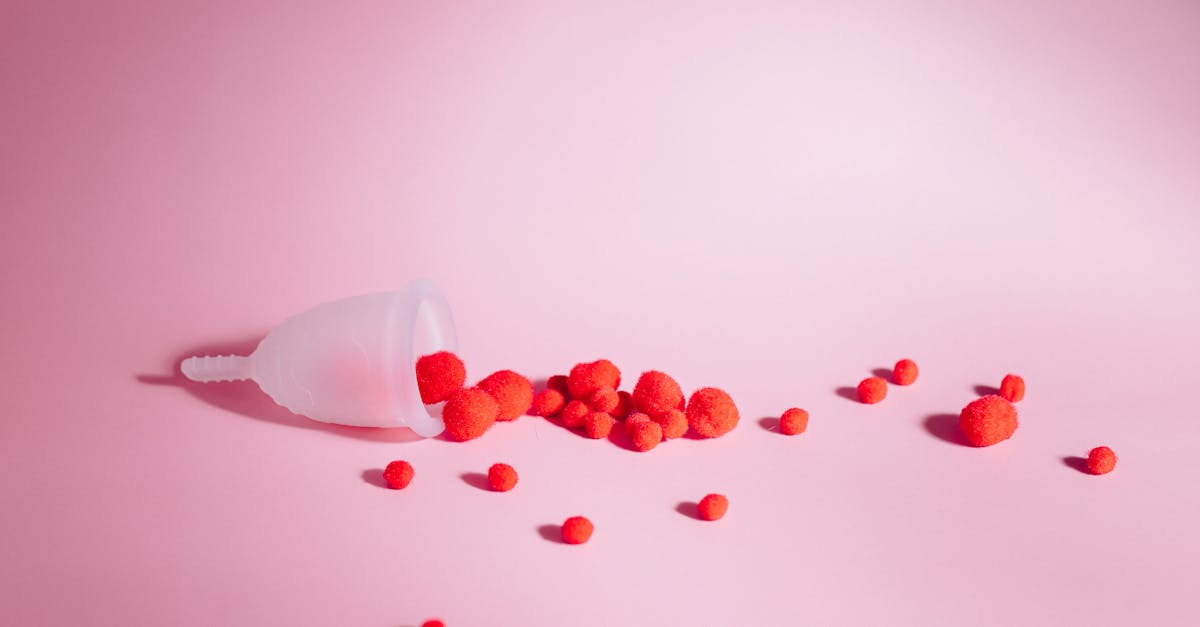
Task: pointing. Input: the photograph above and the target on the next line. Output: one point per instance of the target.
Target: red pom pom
(502, 477)
(439, 375)
(433, 623)
(587, 378)
(512, 392)
(577, 530)
(468, 413)
(645, 435)
(673, 422)
(634, 420)
(793, 421)
(1101, 460)
(713, 506)
(559, 382)
(604, 399)
(398, 474)
(1012, 388)
(872, 390)
(988, 420)
(711, 412)
(597, 425)
(905, 372)
(656, 392)
(624, 406)
(548, 403)
(572, 415)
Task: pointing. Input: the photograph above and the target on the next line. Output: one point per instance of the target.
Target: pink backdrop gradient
(771, 197)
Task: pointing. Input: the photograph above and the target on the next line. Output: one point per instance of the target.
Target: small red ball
(439, 375)
(398, 474)
(577, 530)
(604, 399)
(468, 413)
(587, 378)
(502, 477)
(673, 422)
(988, 420)
(656, 392)
(634, 420)
(1101, 460)
(597, 425)
(646, 435)
(793, 421)
(872, 390)
(433, 623)
(548, 403)
(572, 415)
(1012, 388)
(711, 412)
(904, 372)
(559, 382)
(512, 392)
(624, 406)
(713, 506)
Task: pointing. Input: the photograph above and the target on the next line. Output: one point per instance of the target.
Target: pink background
(775, 198)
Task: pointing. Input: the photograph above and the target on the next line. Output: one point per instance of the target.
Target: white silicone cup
(349, 362)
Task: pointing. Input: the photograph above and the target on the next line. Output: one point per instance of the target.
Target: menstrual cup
(349, 362)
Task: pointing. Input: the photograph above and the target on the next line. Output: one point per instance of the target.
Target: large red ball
(988, 420)
(656, 392)
(711, 412)
(469, 413)
(512, 392)
(589, 377)
(439, 375)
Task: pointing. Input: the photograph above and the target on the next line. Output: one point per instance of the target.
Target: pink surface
(776, 199)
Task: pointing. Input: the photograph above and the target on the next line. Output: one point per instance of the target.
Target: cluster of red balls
(588, 399)
(470, 412)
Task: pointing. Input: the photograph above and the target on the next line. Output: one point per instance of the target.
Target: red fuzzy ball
(512, 392)
(1101, 460)
(604, 399)
(634, 420)
(597, 425)
(713, 506)
(1012, 388)
(559, 382)
(673, 422)
(988, 420)
(573, 414)
(548, 403)
(872, 390)
(439, 375)
(793, 421)
(904, 372)
(577, 530)
(433, 623)
(398, 474)
(587, 378)
(711, 412)
(468, 413)
(645, 435)
(656, 392)
(502, 477)
(624, 406)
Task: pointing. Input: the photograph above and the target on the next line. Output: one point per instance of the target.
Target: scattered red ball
(572, 415)
(673, 422)
(634, 420)
(468, 413)
(439, 375)
(1101, 460)
(988, 420)
(597, 425)
(398, 474)
(502, 477)
(559, 382)
(711, 412)
(904, 372)
(512, 392)
(577, 530)
(713, 506)
(433, 623)
(624, 406)
(646, 435)
(589, 377)
(872, 390)
(1012, 388)
(548, 403)
(656, 392)
(604, 399)
(793, 421)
